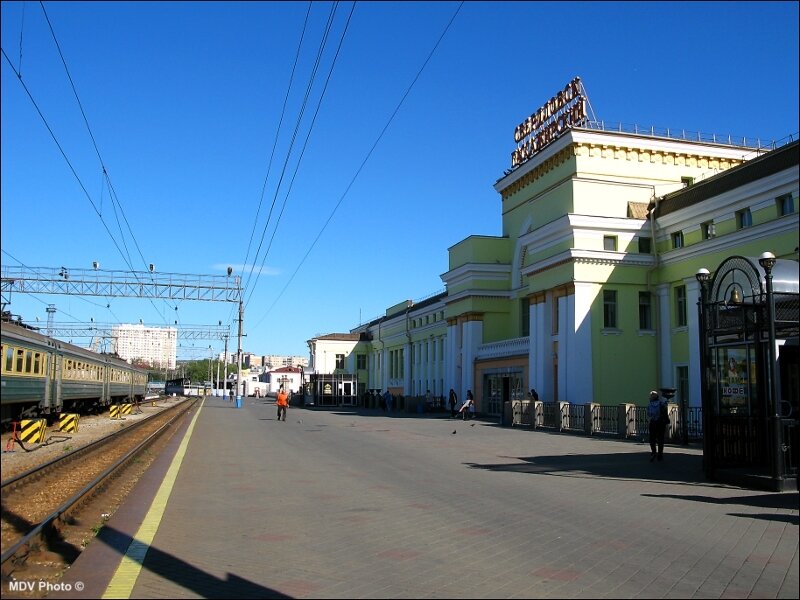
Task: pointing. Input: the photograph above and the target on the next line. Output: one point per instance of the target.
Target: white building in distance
(154, 345)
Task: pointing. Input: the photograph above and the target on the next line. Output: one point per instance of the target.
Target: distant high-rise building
(154, 345)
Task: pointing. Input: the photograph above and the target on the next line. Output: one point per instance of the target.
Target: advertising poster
(735, 381)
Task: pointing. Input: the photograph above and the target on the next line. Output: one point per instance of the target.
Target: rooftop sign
(564, 110)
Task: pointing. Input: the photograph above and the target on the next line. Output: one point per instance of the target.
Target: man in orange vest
(283, 403)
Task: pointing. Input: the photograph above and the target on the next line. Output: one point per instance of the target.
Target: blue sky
(183, 100)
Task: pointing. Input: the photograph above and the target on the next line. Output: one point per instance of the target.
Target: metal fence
(622, 420)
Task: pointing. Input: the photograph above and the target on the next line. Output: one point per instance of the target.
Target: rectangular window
(645, 311)
(20, 360)
(680, 306)
(9, 361)
(554, 325)
(610, 243)
(340, 361)
(609, 308)
(645, 245)
(785, 205)
(525, 317)
(677, 239)
(687, 181)
(708, 230)
(744, 219)
(361, 362)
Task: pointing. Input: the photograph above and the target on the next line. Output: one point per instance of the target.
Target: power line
(277, 133)
(308, 135)
(113, 196)
(364, 162)
(294, 134)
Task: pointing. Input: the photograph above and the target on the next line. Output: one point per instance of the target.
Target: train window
(29, 361)
(20, 358)
(37, 363)
(9, 358)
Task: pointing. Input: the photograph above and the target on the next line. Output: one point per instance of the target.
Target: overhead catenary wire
(305, 142)
(298, 122)
(363, 163)
(277, 133)
(113, 196)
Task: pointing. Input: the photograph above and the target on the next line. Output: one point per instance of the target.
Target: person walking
(283, 404)
(657, 415)
(465, 409)
(388, 399)
(453, 402)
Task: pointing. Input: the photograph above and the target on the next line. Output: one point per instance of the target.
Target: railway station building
(589, 294)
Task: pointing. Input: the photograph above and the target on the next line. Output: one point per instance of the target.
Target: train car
(43, 376)
(178, 387)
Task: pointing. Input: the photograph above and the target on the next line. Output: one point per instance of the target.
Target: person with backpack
(658, 417)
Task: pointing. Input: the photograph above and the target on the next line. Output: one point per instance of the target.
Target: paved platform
(335, 504)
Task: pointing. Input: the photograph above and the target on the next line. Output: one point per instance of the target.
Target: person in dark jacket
(657, 415)
(453, 402)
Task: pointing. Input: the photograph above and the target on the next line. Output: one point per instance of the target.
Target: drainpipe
(650, 271)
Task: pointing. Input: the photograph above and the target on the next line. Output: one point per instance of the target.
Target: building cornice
(589, 257)
(621, 146)
(472, 271)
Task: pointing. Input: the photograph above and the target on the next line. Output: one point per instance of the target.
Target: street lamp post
(703, 277)
(767, 261)
(210, 382)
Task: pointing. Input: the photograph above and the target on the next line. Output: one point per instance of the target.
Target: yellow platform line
(121, 584)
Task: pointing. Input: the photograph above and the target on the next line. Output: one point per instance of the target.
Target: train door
(56, 373)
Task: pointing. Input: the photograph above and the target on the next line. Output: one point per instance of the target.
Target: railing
(691, 136)
(505, 348)
(605, 419)
(573, 416)
(623, 420)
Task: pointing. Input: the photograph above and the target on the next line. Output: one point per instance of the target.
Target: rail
(61, 516)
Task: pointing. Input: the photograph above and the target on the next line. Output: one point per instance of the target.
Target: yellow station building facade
(589, 293)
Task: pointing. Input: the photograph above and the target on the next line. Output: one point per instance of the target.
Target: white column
(473, 337)
(407, 368)
(580, 383)
(563, 349)
(693, 322)
(451, 360)
(533, 340)
(435, 390)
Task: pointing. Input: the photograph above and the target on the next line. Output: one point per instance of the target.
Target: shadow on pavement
(677, 467)
(187, 576)
(787, 500)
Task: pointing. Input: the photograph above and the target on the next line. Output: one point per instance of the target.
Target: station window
(680, 306)
(744, 219)
(610, 243)
(645, 245)
(645, 311)
(708, 230)
(785, 205)
(677, 239)
(609, 308)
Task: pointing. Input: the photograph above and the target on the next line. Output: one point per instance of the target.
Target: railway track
(41, 506)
